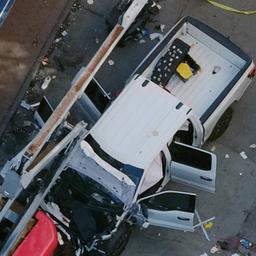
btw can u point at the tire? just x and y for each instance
(119, 241)
(116, 245)
(222, 124)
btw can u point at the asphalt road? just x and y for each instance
(235, 198)
(23, 40)
(233, 204)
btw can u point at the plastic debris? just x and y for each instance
(215, 249)
(154, 36)
(27, 123)
(90, 2)
(46, 83)
(235, 254)
(252, 146)
(227, 156)
(208, 225)
(97, 40)
(162, 28)
(64, 33)
(243, 155)
(57, 40)
(247, 244)
(240, 173)
(111, 62)
(25, 105)
(45, 61)
(213, 148)
(204, 254)
(142, 41)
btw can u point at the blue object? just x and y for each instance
(246, 243)
(5, 6)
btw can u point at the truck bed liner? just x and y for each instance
(204, 91)
(201, 90)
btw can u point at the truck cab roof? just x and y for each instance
(139, 123)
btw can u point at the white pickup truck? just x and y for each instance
(92, 183)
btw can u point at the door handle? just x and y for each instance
(182, 218)
(205, 178)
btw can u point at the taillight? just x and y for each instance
(252, 74)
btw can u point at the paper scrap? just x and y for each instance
(57, 40)
(46, 83)
(227, 156)
(90, 1)
(243, 155)
(213, 148)
(154, 36)
(162, 28)
(111, 62)
(142, 41)
(252, 146)
(64, 33)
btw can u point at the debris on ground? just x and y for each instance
(46, 83)
(142, 41)
(57, 40)
(162, 28)
(229, 244)
(213, 148)
(243, 155)
(64, 33)
(204, 254)
(27, 123)
(215, 249)
(90, 2)
(247, 244)
(240, 173)
(25, 105)
(45, 61)
(111, 62)
(252, 146)
(227, 156)
(208, 225)
(154, 36)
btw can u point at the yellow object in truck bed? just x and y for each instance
(184, 71)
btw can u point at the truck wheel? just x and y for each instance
(119, 242)
(221, 125)
(116, 245)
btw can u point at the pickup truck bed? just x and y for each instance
(212, 52)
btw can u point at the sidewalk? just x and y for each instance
(23, 40)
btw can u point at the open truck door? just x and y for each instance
(169, 209)
(193, 166)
